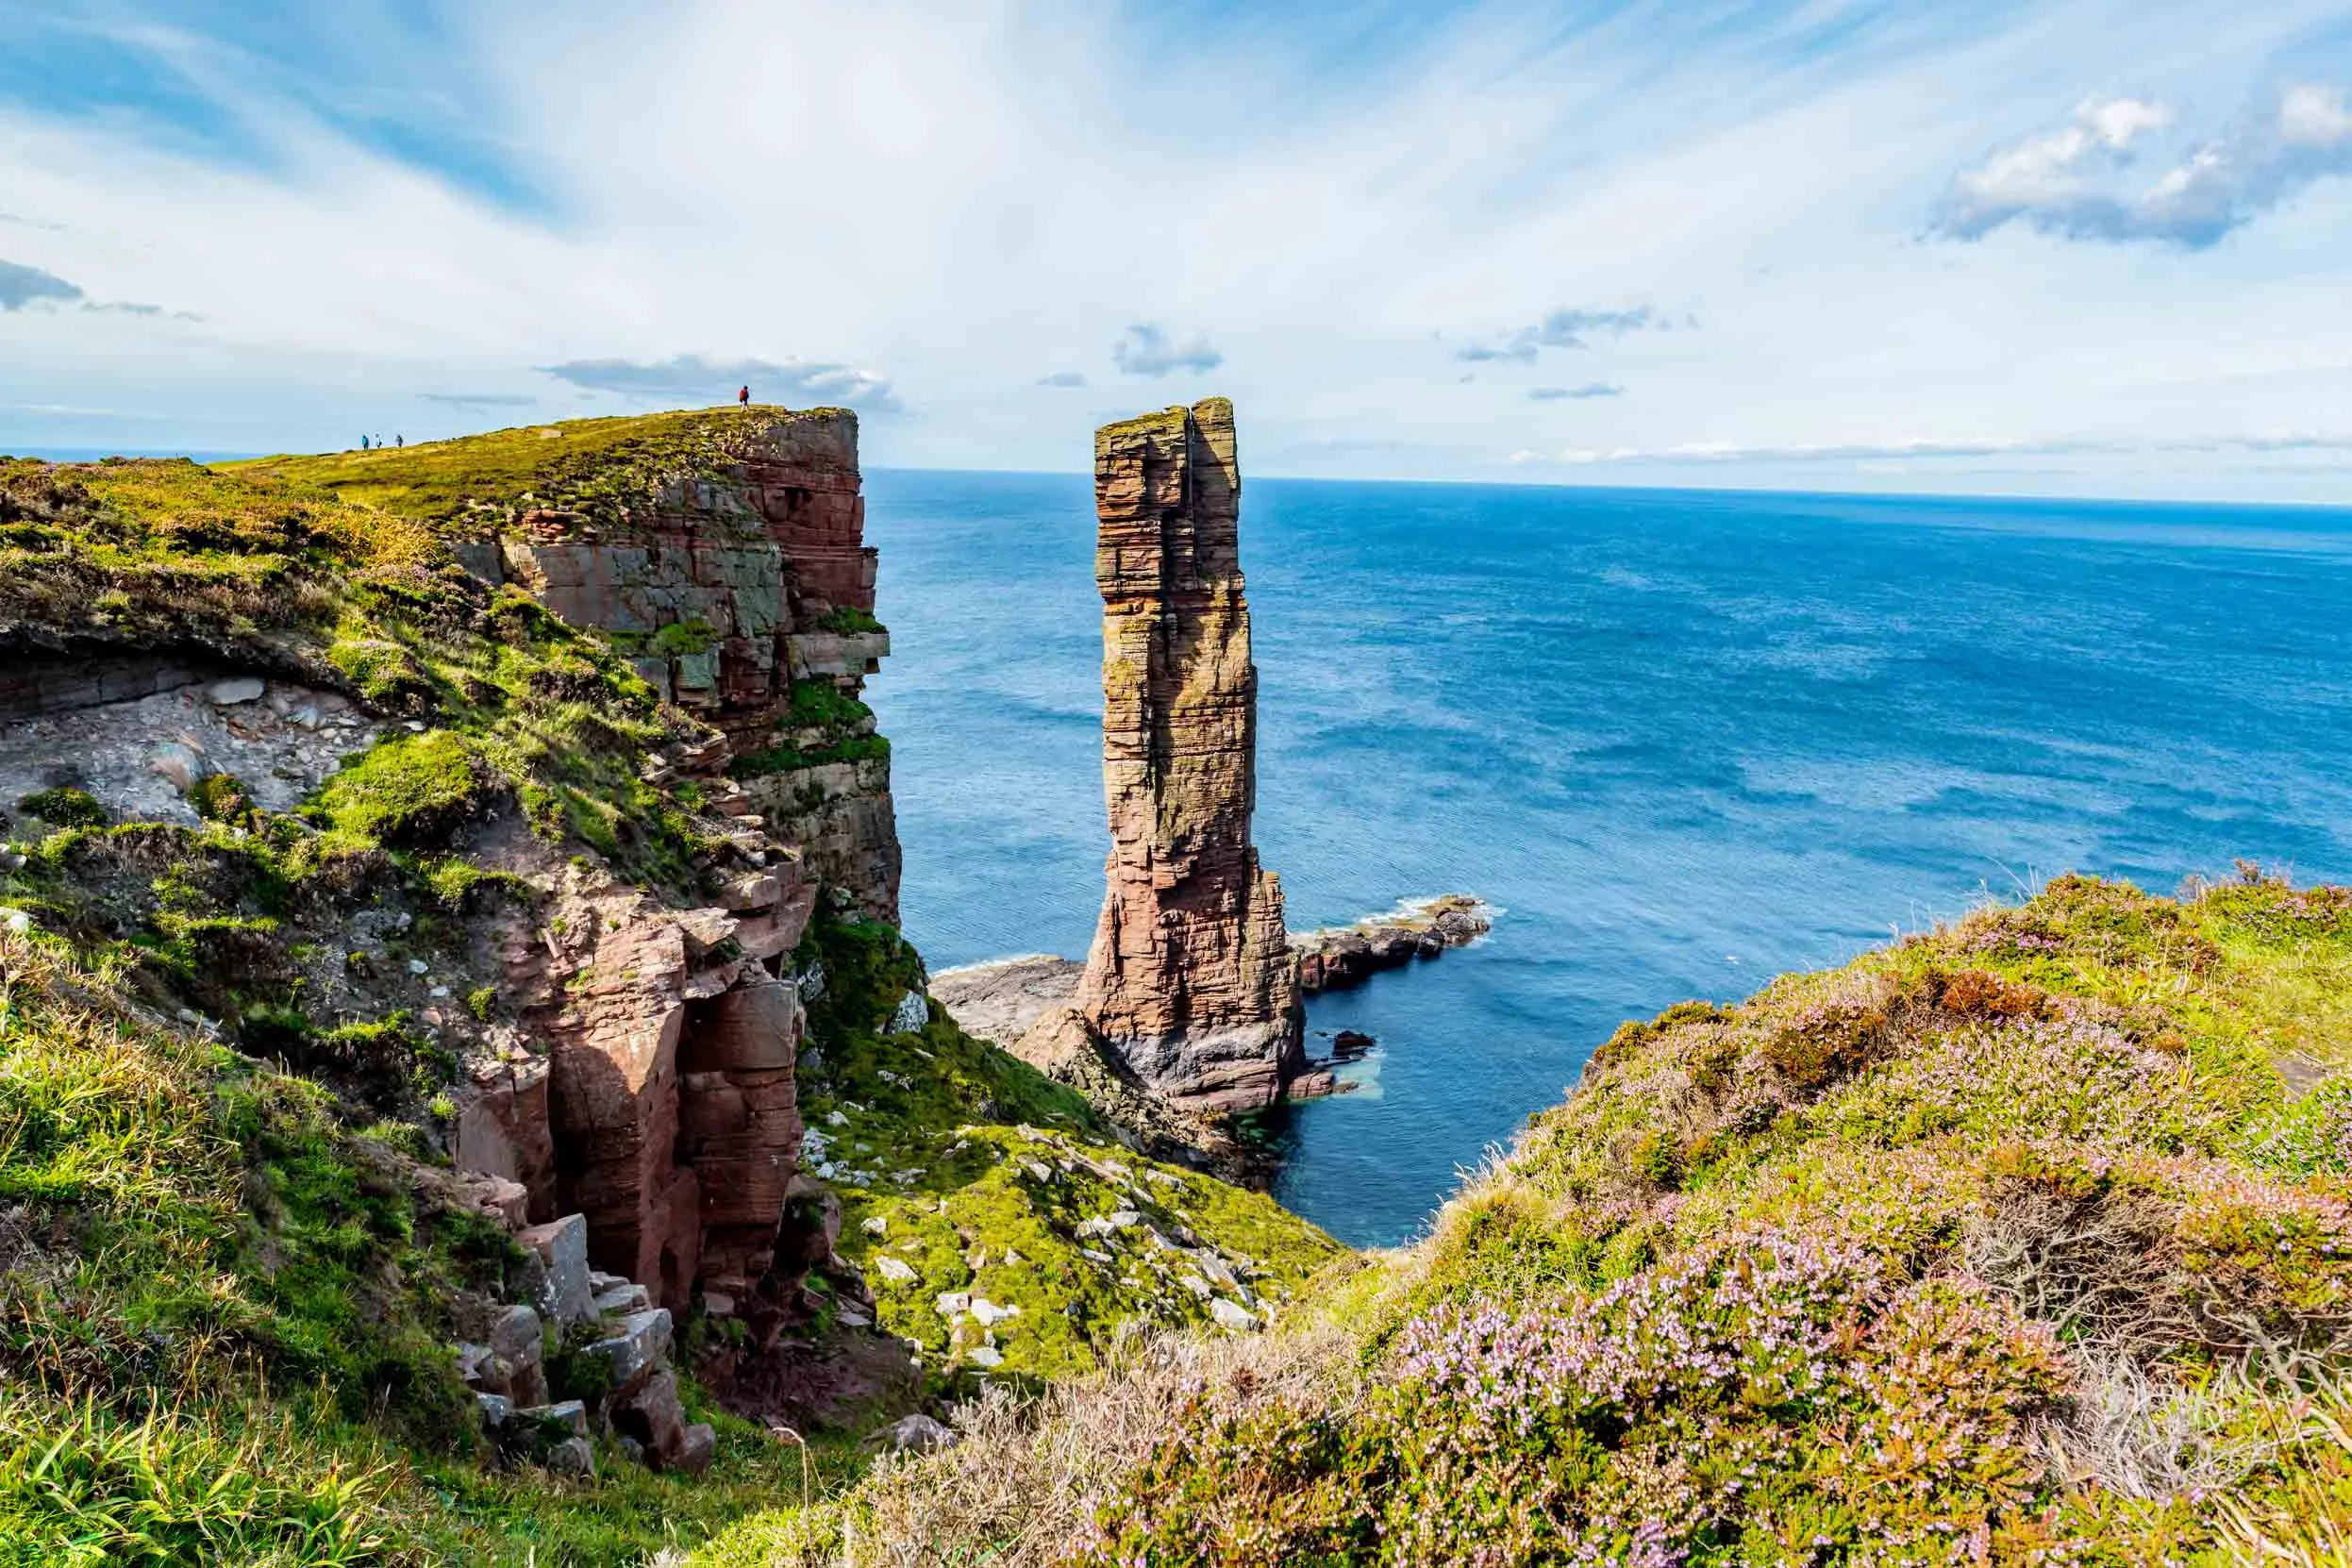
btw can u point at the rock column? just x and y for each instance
(1190, 980)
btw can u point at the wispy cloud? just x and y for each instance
(1931, 447)
(1547, 187)
(132, 308)
(1589, 390)
(690, 378)
(2073, 181)
(480, 400)
(20, 286)
(1145, 349)
(1564, 328)
(1064, 378)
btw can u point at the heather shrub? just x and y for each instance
(1771, 1398)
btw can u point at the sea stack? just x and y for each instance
(1190, 980)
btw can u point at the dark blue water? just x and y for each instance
(1687, 739)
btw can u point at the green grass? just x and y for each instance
(64, 809)
(849, 619)
(976, 1173)
(594, 467)
(2009, 1242)
(791, 758)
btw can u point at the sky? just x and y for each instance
(2083, 248)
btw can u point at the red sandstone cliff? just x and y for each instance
(665, 1110)
(1190, 979)
(758, 571)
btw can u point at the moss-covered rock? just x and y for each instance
(998, 1220)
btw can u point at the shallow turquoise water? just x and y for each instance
(1686, 740)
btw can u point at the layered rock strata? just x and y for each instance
(1189, 980)
(668, 1085)
(665, 1110)
(736, 586)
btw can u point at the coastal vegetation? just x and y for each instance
(2025, 1240)
(595, 468)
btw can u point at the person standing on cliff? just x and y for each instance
(743, 398)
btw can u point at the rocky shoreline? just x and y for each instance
(1005, 1000)
(1000, 999)
(1338, 957)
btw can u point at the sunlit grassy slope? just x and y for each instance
(2026, 1241)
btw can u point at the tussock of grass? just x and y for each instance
(81, 1487)
(1029, 1472)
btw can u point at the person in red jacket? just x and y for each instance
(742, 397)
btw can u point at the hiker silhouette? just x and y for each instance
(742, 397)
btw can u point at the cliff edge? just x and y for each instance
(462, 1094)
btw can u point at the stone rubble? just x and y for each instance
(139, 732)
(609, 1319)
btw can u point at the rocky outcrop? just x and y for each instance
(1001, 1001)
(740, 590)
(666, 1112)
(1338, 957)
(670, 1042)
(1189, 982)
(613, 1324)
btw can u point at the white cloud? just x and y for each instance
(2071, 182)
(938, 202)
(1064, 378)
(1565, 328)
(1145, 349)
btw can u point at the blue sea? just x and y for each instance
(1685, 739)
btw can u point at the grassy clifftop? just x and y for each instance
(582, 464)
(2026, 1241)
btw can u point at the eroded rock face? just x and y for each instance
(733, 588)
(671, 1094)
(139, 731)
(667, 1114)
(1190, 979)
